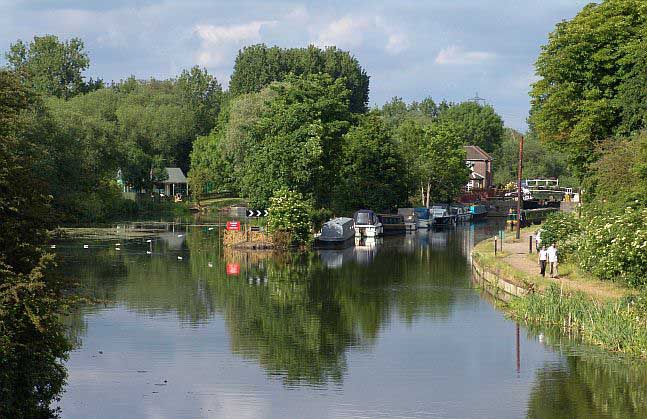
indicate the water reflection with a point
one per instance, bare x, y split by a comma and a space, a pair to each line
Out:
304, 320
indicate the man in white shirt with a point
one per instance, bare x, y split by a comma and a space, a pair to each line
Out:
552, 260
543, 258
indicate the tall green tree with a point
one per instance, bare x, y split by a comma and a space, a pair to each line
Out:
297, 141
257, 66
32, 343
374, 171
478, 124
582, 68
202, 92
52, 67
441, 163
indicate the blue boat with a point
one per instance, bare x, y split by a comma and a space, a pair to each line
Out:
478, 211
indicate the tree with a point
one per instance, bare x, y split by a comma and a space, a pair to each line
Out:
586, 62
257, 66
441, 164
477, 124
52, 67
539, 160
296, 143
373, 173
202, 92
32, 343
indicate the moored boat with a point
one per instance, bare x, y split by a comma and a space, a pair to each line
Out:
440, 215
423, 217
410, 218
392, 223
367, 224
337, 230
478, 211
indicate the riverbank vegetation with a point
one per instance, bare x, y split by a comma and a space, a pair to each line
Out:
589, 104
32, 340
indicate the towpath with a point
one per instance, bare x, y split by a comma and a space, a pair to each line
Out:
517, 257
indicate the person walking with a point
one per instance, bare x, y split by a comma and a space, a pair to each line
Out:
552, 260
543, 259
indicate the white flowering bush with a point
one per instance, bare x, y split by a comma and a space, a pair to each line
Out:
614, 245
611, 245
289, 218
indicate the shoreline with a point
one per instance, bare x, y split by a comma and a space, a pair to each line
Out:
599, 313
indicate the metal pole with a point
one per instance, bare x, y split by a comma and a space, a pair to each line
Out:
519, 197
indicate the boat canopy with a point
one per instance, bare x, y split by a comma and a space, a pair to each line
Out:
365, 217
422, 213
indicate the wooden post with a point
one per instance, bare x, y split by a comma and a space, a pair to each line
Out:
495, 245
530, 244
519, 197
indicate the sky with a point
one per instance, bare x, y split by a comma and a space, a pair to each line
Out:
446, 49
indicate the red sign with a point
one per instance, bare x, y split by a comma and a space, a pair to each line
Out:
233, 269
233, 225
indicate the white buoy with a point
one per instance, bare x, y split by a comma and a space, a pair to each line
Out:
210, 264
210, 228
85, 246
53, 246
149, 241
148, 252
179, 258
117, 244
180, 235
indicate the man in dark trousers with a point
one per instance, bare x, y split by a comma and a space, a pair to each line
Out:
543, 259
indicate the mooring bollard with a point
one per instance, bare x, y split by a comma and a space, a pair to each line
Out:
530, 244
495, 244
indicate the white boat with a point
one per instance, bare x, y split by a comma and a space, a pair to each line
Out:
423, 218
441, 215
337, 230
410, 218
367, 224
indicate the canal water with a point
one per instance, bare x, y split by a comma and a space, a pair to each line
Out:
392, 328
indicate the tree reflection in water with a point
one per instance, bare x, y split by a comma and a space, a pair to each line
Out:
590, 384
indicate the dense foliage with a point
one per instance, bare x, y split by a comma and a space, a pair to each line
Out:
32, 343
289, 218
257, 66
612, 245
591, 79
540, 161
373, 170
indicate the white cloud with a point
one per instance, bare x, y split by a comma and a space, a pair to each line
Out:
350, 32
457, 55
232, 33
220, 42
299, 15
345, 32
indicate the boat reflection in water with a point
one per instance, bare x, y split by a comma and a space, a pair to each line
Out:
366, 249
335, 258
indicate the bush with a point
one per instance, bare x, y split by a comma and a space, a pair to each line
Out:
614, 246
564, 229
289, 218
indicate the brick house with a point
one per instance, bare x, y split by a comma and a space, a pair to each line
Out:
480, 164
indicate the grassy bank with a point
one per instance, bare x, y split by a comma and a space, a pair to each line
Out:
600, 313
615, 325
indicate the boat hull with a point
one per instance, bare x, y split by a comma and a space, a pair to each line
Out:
368, 230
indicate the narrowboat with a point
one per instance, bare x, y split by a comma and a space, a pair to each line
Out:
461, 213
478, 211
410, 218
337, 230
423, 217
367, 224
440, 215
392, 223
